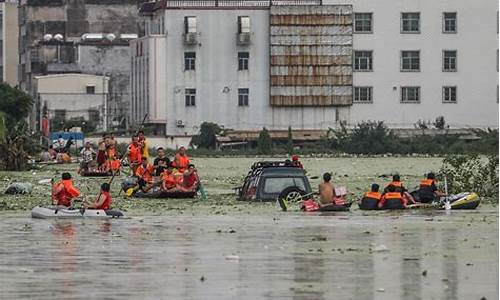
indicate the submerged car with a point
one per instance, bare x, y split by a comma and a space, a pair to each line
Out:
268, 179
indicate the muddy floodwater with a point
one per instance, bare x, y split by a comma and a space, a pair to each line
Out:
411, 255
221, 248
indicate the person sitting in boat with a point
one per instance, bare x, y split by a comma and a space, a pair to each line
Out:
428, 191
143, 144
190, 179
59, 144
326, 190
112, 163
88, 154
52, 152
67, 147
392, 199
103, 201
63, 192
396, 182
371, 198
296, 162
161, 161
134, 154
181, 160
169, 181
145, 173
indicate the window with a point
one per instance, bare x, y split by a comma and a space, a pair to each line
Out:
449, 60
449, 94
189, 24
450, 22
363, 61
410, 61
189, 61
410, 22
242, 97
243, 24
363, 94
90, 89
363, 22
190, 97
277, 184
410, 94
243, 60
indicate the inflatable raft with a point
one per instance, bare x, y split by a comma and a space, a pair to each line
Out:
165, 194
465, 200
51, 212
96, 174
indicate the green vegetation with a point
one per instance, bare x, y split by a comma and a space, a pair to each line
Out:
264, 143
207, 139
16, 141
471, 173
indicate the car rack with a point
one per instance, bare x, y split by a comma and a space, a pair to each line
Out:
272, 164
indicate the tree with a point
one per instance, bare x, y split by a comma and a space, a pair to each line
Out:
289, 145
16, 141
264, 142
207, 138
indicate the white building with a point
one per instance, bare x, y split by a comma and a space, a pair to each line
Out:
313, 66
73, 96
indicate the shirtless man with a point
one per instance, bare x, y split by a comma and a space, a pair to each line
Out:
326, 190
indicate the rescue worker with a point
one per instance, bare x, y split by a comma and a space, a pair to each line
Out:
191, 179
392, 199
168, 179
371, 198
64, 191
143, 144
103, 201
326, 190
296, 162
88, 155
396, 182
134, 154
145, 173
181, 160
428, 191
101, 154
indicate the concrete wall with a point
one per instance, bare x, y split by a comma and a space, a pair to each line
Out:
68, 92
476, 77
9, 33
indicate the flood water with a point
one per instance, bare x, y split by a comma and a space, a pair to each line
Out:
410, 255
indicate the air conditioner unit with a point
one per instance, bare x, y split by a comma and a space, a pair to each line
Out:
243, 38
180, 123
190, 38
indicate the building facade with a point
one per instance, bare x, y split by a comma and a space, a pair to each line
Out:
73, 97
90, 37
9, 32
312, 66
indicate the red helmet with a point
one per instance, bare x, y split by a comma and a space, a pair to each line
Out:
295, 157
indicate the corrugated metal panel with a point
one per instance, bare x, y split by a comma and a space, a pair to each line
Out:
311, 55
311, 90
311, 80
308, 40
310, 30
316, 20
311, 70
311, 50
323, 60
313, 10
311, 100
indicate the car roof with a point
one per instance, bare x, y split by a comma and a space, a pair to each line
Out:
283, 171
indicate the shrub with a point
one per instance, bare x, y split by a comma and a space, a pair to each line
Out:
471, 173
264, 143
207, 138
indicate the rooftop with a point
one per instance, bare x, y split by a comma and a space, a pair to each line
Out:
151, 7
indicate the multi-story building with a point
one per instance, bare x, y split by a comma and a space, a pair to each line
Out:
91, 37
9, 32
311, 65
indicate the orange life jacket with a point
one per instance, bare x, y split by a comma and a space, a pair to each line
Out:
181, 162
65, 194
169, 180
372, 195
427, 182
145, 173
107, 201
111, 152
134, 154
113, 164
